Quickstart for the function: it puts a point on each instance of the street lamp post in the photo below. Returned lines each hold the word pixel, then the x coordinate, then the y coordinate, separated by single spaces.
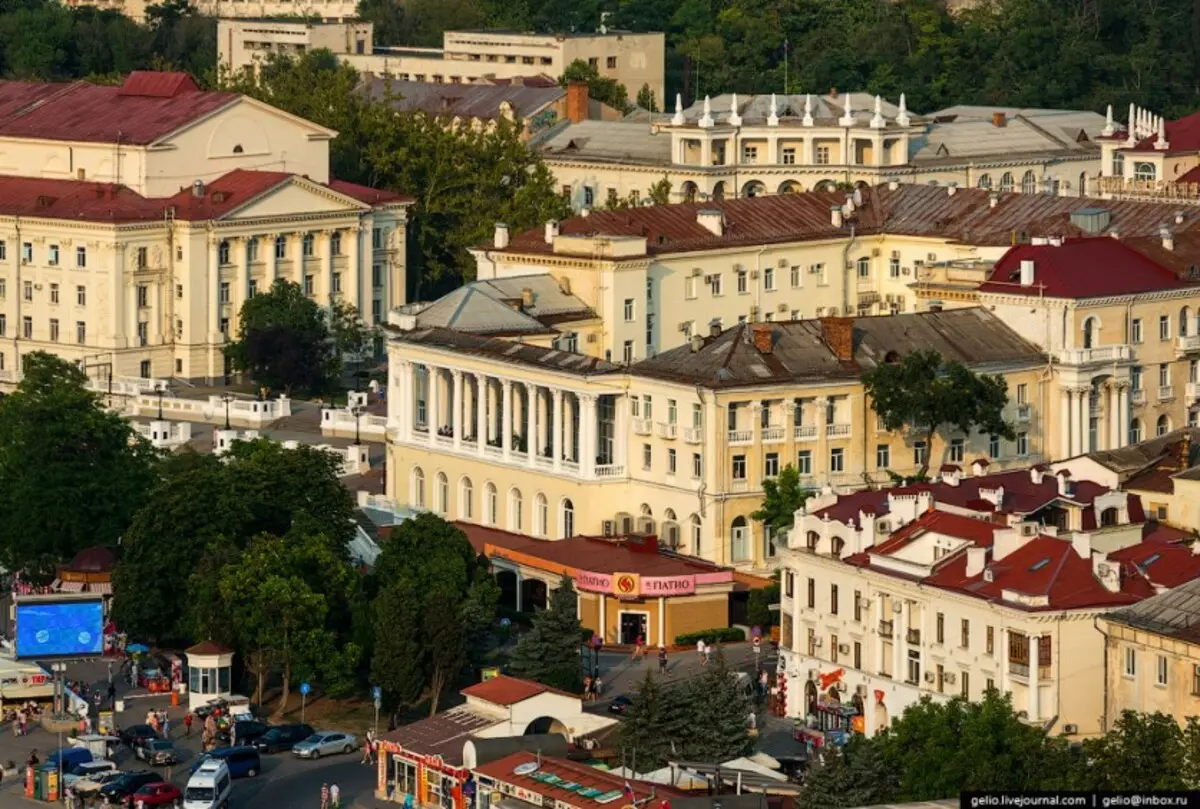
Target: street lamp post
pixel 227 398
pixel 357 411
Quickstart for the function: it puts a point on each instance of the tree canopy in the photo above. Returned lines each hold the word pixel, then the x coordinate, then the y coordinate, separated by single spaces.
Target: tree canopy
pixel 549 651
pixel 782 497
pixel 600 88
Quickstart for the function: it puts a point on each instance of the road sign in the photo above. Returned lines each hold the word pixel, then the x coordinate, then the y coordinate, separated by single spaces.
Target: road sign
pixel 378 704
pixel 756 632
pixel 505 623
pixel 376 693
pixel 757 649
pixel 757 641
pixel 305 689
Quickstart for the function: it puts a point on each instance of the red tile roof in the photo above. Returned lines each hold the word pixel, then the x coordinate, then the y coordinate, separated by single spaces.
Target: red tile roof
pixel 1080 268
pixel 1189 176
pixel 977 532
pixel 147 107
pixel 573 773
pixel 208 647
pixel 504 690
pixel 371 196
pixel 1183 135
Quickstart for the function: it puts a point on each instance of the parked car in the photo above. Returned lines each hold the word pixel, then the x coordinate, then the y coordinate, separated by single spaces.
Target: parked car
pixel 247 732
pixel 620 704
pixel 243 761
pixel 282 738
pixel 134 734
pixel 87 769
pixel 325 743
pixel 158 793
pixel 91 784
pixel 119 790
pixel 160 752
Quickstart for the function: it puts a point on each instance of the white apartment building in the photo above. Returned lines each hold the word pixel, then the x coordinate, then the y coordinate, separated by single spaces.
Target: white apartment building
pixel 961 586
pixel 330 10
pixel 243 43
pixel 135 221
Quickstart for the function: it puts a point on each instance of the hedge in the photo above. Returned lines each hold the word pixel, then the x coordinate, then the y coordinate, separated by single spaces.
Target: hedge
pixel 727 634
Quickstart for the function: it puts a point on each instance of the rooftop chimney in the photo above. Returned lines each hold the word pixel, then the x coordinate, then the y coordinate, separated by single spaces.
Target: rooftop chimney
pixel 526 298
pixel 1108 573
pixel 951 188
pixel 993 199
pixel 1027 270
pixel 839 336
pixel 697 342
pixel 577 101
pixel 198 189
pixel 1064 482
pixel 999 119
pixel 500 240
pixel 712 221
pixel 979 467
pixel 714 328
pixel 893 184
pixel 835 215
pixel 564 285
pixel 1168 238
pixel 951 475
pixel 764 339
pixel 1036 473
pixel 551 231
pixel 976 561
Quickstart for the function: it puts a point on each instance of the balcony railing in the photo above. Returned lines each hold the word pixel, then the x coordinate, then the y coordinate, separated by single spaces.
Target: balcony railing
pixel 610 471
pixel 741 436
pixel 693 435
pixel 836 430
pixel 885 629
pixel 1193 391
pixel 913 636
pixel 806 432
pixel 1139 396
pixel 1089 356
pixel 1024 412
pixel 1187 344
pixel 1165 393
pixel 642 426
pixel 666 430
pixel 1045 671
pixel 772 434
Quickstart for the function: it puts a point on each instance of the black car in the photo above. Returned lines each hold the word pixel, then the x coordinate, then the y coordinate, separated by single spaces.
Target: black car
pixel 620 704
pixel 281 738
pixel 248 732
pixel 118 791
pixel 160 752
pixel 137 734
pixel 202 711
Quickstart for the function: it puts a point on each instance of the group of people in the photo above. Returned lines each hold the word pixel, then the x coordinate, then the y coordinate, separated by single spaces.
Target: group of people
pixel 28 714
pixel 368 749
pixel 639 653
pixel 592 688
pixel 331 796
pixel 158 719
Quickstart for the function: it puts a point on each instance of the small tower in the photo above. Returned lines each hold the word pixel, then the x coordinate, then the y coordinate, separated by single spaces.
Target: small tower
pixel 877 121
pixel 773 117
pixel 808 117
pixel 706 120
pixel 1109 128
pixel 847 118
pixel 902 118
pixel 677 118
pixel 734 118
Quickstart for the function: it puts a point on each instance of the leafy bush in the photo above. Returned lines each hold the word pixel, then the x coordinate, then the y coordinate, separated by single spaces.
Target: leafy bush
pixel 726 634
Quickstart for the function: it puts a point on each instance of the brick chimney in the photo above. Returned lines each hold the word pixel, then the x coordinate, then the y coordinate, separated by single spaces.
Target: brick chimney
pixel 999 120
pixel 577 101
pixel 839 336
pixel 764 339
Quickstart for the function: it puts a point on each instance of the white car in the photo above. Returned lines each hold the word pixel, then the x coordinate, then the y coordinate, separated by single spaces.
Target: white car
pixel 92 783
pixel 88 770
pixel 325 743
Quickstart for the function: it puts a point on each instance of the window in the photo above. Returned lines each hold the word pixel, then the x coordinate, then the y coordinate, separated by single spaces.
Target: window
pixel 1006 182
pixel 671 461
pixel 743 282
pixel 3 250
pixel 771 465
pixel 80 332
pixel 1130 662
pixel 1164 327
pixel 516 509
pixel 989 640
pixel 837 460
pixel 1135 431
pixel 280 247
pixel 81 296
pixel 308 245
pixel 3 324
pixel 1160 673
pixel 1135 330
pixel 864 267
pixel 804 462
pixel 914 666
pixel 567 518
pixel 822 155
pixel 1023 393
pixel 883 456
pixel 812 594
pixel 749 154
pixel 833 599
pixel 647 457
pixel 940 627
pixel 894 267
pixel 27 327
pixel 27 252
pixel 443 494
pixel 769 279
pixel 1022 444
pixel 690 287
pixel 224 326
pixel 789 586
pixel 54 330
pixel 541 511
pixel 629 310
pixel 143 334
pixel 1145 171
pixel 251 249
pixel 52 260
pixel 179 291
pixel 3 288
pixel 1135 377
pixel 27 290
pixel 919 453
pixel 857 655
pixel 833 648
pixel 223 296
pixel 143 295
pixel 54 293
pixel 376 276
pixel 697 465
pixel 1028 183
pixel 739 467
pixel 252 287
pixel 714 284
pixel 994 447
pixel 957 450
pixel 965 678
pixel 309 285
pixel 491 505
pixel 797 276
pixel 223 253
pixel 1164 375
pixel 611 62
pixel 965 639
pixel 627 351
pixel 589 196
pixel 335 244
pixel 1163 425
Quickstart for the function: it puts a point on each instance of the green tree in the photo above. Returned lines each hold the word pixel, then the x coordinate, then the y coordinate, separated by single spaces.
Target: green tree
pixel 759 603
pixel 387 18
pixel 651 724
pixel 646 99
pixel 854 775
pixel 925 393
pixel 284 342
pixel 718 729
pixel 445 637
pixel 660 192
pixel 1141 752
pixel 782 498
pixel 72 474
pixel 398 658
pixel 549 651
pixel 605 90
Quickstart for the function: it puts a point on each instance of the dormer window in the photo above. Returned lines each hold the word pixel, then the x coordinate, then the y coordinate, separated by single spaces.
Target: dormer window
pixel 838 544
pixel 811 540
pixel 238 149
pixel 1108 517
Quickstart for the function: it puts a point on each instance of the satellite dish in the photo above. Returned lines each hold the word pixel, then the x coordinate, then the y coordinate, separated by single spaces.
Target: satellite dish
pixel 528 768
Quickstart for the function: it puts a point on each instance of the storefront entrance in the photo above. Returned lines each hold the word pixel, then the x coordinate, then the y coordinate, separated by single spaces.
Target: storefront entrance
pixel 633 626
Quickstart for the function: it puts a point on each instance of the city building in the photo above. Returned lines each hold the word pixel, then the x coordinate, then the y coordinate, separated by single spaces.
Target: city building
pixel 327 10
pixel 963 585
pixel 745 146
pixel 136 219
pixel 465 57
pixel 1152 655
pixel 1151 158
pixel 539 440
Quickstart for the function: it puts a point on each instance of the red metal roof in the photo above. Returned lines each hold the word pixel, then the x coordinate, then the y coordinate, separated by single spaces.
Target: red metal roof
pixel 148 106
pixel 1080 268
pixel 504 690
pixel 1189 176
pixel 977 532
pixel 1183 135
pixel 364 193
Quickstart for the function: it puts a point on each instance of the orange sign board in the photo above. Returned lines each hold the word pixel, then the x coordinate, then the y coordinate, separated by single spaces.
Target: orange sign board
pixel 832 677
pixel 627 585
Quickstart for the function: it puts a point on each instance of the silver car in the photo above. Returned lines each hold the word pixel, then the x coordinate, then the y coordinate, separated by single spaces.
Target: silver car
pixel 325 743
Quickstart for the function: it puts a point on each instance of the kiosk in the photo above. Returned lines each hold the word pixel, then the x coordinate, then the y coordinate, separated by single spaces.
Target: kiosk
pixel 209 667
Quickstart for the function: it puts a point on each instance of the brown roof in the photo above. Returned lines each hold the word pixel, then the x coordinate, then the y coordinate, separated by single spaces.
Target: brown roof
pixel 441 735
pixel 208 647
pixel 908 209
pixel 802 351
pixel 504 690
pixel 551 359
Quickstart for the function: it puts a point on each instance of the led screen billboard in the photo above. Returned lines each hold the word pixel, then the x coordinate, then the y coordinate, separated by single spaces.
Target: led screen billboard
pixel 60 628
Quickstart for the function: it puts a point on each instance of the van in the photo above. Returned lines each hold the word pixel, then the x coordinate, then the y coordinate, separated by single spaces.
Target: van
pixel 69 758
pixel 209 786
pixel 243 762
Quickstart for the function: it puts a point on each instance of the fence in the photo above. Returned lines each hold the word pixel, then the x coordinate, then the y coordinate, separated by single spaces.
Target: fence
pixel 341 422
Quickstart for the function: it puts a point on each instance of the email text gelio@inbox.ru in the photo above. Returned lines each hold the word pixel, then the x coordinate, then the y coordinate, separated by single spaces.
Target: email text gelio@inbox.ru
pixel 1078 800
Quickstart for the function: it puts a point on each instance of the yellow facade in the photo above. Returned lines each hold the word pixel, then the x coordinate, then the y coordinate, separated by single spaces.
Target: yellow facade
pixel 1148 672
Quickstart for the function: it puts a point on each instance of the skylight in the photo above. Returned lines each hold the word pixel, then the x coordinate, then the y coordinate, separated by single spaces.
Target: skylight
pixel 1151 560
pixel 1040 564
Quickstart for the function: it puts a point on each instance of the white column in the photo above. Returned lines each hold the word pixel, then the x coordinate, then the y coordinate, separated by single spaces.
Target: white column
pixel 213 285
pixel 1001 651
pixel 241 288
pixel 621 431
pixel 1122 415
pixel 295 251
pixel 531 437
pixel 271 261
pixel 434 417
pixel 1034 701
pixel 662 621
pixel 588 435
pixel 519 582
pixel 879 617
pixel 353 282
pixel 556 438
pixel 506 418
pixel 1114 417
pixel 160 316
pixel 1081 429
pixel 1064 423
pixel 456 418
pixel 899 628
pixel 407 401
pixel 481 413
pixel 119 335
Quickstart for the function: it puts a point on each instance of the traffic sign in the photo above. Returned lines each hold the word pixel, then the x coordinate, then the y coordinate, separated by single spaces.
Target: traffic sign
pixel 378 703
pixel 505 623
pixel 756 632
pixel 757 641
pixel 757 649
pixel 305 689
pixel 376 693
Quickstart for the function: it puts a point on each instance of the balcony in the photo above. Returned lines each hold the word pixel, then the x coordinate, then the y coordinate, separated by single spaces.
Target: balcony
pixel 1193 391
pixel 772 434
pixel 1187 345
pixel 642 426
pixel 693 435
pixel 806 432
pixel 1024 412
pixel 837 430
pixel 741 436
pixel 1139 396
pixel 913 636
pixel 611 470
pixel 885 629
pixel 667 430
pixel 1166 393
pixel 1093 356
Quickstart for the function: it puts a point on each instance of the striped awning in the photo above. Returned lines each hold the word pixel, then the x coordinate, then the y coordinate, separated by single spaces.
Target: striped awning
pixel 100 587
pixel 71 587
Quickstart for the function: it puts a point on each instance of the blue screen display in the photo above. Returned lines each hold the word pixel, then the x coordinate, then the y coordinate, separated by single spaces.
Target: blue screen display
pixel 58 629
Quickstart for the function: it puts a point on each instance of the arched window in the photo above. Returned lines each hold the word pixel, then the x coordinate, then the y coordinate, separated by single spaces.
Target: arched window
pixel 739 537
pixel 1108 517
pixel 516 505
pixel 1185 321
pixel 566 519
pixel 1163 426
pixel 646 511
pixel 838 544
pixel 811 539
pixel 1029 183
pixel 223 252
pixel 985 181
pixel 466 499
pixel 1135 431
pixel 541 510
pixel 443 494
pixel 416 494
pixel 696 534
pixel 864 267
pixel 1089 332
pixel 1006 182
pixel 1145 171
pixel 670 529
pixel 490 507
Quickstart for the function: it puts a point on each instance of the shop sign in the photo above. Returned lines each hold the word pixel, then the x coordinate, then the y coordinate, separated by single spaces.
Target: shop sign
pixel 669 585
pixel 521 794
pixel 593 582
pixel 626 585
pixel 564 805
pixel 832 677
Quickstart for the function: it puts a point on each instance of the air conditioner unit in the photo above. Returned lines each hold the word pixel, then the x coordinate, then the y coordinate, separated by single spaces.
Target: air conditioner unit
pixel 708 279
pixel 754 275
pixel 949 677
pixel 593 337
pixel 929 676
pixel 697 272
pixel 907 270
pixel 782 264
pixel 896 254
pixel 860 690
pixel 844 648
pixel 818 642
pixel 685 325
pixel 783 307
pixel 609 528
pixel 876 252
pixel 931 257
pixel 1070 730
pixel 814 675
pixel 988 575
pixel 918 263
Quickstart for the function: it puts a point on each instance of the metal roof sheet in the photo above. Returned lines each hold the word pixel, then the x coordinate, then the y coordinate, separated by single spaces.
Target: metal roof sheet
pixel 464 100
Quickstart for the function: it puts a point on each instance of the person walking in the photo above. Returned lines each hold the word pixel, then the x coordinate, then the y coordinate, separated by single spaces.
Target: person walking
pixel 707 653
pixel 335 797
pixel 187 724
pixel 662 660
pixel 366 750
pixel 700 650
pixel 166 725
pixel 324 796
pixel 639 648
pixel 112 694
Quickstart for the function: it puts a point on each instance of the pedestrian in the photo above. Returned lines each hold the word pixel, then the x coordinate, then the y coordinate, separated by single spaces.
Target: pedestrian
pixel 166 725
pixel 366 757
pixel 662 660
pixel 700 650
pixel 324 796
pixel 16 725
pixel 112 693
pixel 707 653
pixel 24 721
pixel 187 724
pixel 33 758
pixel 764 682
pixel 639 648
pixel 335 797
